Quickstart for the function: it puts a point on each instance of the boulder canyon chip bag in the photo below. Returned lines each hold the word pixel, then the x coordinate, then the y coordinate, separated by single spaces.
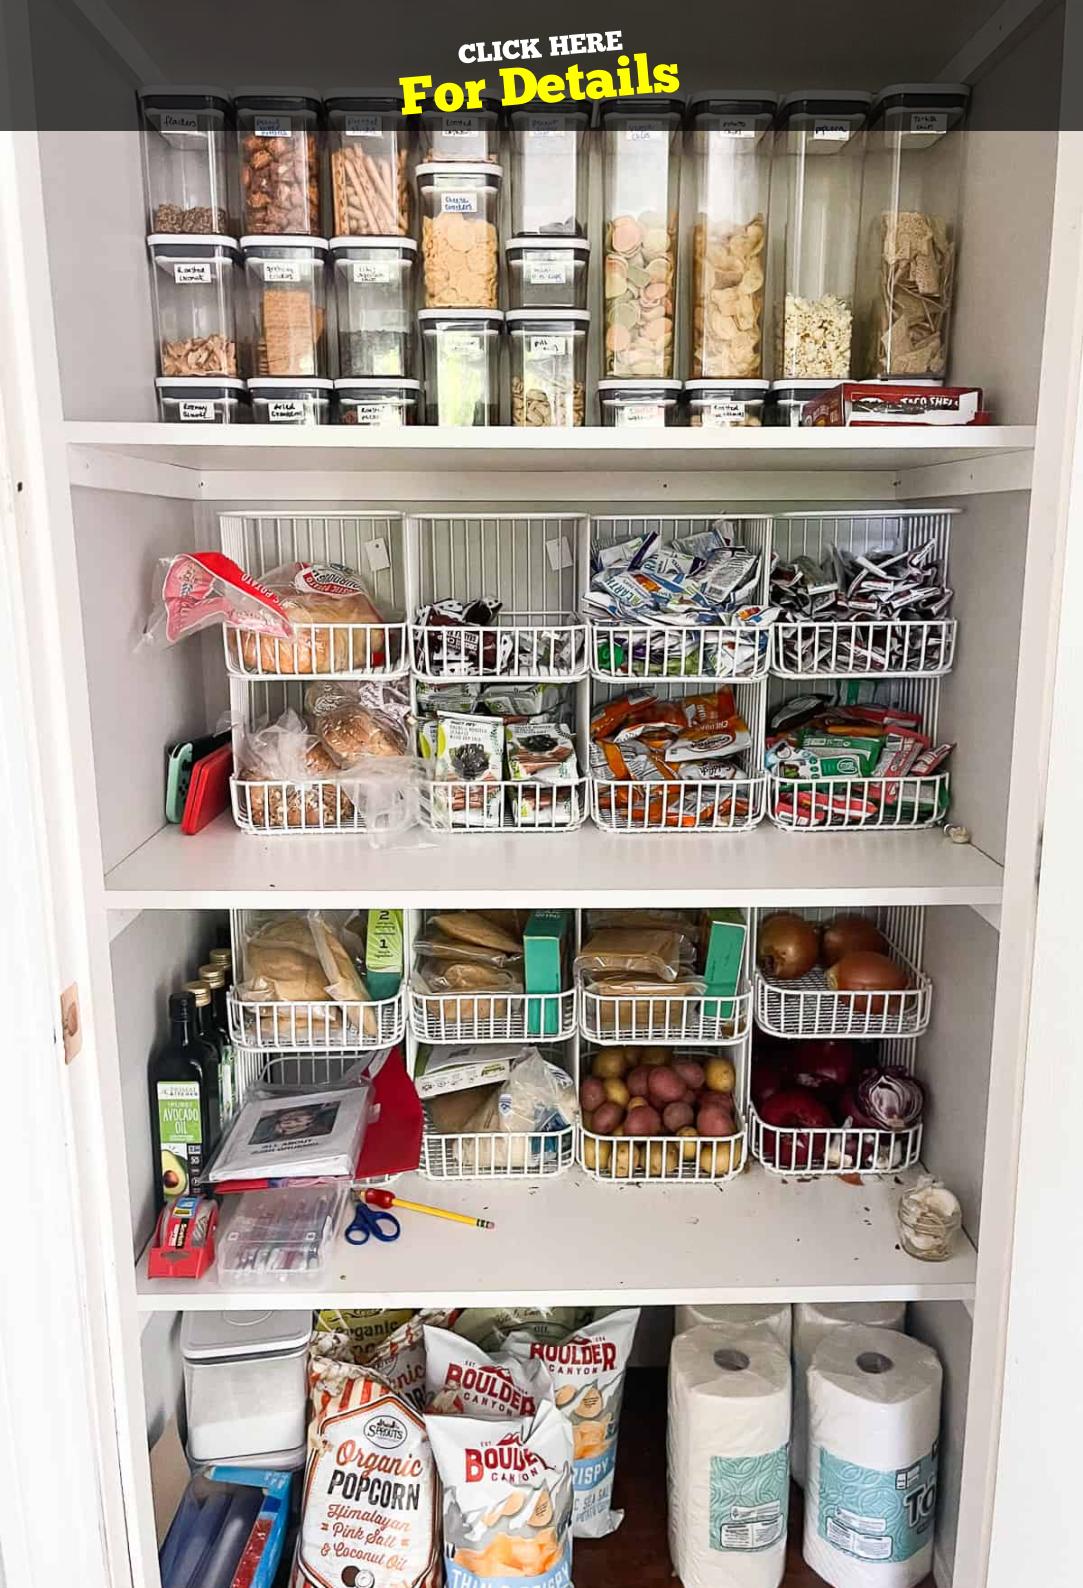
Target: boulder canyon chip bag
pixel 371 1506
pixel 507 1499
pixel 587 1372
pixel 461 1380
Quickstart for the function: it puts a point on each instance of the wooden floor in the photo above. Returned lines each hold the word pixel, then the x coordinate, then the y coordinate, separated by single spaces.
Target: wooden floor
pixel 637 1554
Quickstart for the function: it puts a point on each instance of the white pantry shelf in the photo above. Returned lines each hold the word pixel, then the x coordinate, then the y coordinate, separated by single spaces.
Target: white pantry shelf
pixel 757 1238
pixel 222 868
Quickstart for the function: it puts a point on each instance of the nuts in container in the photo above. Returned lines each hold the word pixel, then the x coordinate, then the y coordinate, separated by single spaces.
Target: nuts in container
pixel 369 159
pixel 185 133
pixel 548 366
pixel 458 235
pixel 642 179
pixel 286 279
pixel 193 282
pixel 280 163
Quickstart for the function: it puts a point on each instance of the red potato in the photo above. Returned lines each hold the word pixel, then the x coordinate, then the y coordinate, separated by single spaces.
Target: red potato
pixel 665 1086
pixel 643 1121
pixel 675 1116
pixel 591 1094
pixel 636 1081
pixel 607 1118
pixel 715 1119
pixel 691 1073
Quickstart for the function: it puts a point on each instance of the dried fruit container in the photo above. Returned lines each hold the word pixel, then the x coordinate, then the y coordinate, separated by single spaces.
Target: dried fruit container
pixel 462 365
pixel 374 299
pixel 549 194
pixel 815 203
pixel 730 139
pixel 206 402
pixel 283 400
pixel 652 404
pixel 641 152
pixel 278 149
pixel 377 400
pixel 786 399
pixel 547 272
pixel 369 157
pixel 473 135
pixel 725 404
pixel 908 235
pixel 186 133
pixel 286 280
pixel 548 366
pixel 459 235
pixel 194 283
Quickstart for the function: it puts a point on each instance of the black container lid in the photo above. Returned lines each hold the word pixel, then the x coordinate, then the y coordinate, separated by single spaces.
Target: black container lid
pixel 843 102
pixel 952 99
pixel 642 106
pixel 281 99
pixel 184 97
pixel 751 102
pixel 577 115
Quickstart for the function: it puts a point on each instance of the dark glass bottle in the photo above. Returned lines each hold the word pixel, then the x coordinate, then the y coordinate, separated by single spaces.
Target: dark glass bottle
pixel 180 1121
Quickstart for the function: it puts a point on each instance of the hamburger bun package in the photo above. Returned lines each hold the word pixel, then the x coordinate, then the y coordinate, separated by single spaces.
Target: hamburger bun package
pixel 462 1380
pixel 507 1499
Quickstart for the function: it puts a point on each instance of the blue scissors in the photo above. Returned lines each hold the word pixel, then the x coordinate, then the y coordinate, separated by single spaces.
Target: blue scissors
pixel 369 1222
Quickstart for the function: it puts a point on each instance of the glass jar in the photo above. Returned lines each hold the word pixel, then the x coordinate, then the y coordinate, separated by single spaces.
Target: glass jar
pixel 194 281
pixel 369 151
pixel 185 164
pixel 287 303
pixel 815 202
pixel 278 144
pixel 470 135
pixel 462 365
pixel 377 402
pixel 730 138
pixel 458 235
pixel 547 272
pixel 283 401
pixel 548 366
pixel 786 399
pixel 549 170
pixel 641 153
pixel 374 300
pixel 203 402
pixel 930 1217
pixel 909 213
pixel 725 404
pixel 650 404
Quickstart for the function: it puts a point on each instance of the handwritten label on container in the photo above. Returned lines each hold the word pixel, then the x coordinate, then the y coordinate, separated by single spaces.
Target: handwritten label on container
pixel 459 203
pixel 272 127
pixel 198 411
pixel 281 270
pixel 549 272
pixel 285 410
pixel 362 126
pixel 368 272
pixel 192 272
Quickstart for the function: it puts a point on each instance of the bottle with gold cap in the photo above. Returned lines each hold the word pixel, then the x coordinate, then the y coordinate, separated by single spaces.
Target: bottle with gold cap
pixel 199 990
pixel 217 979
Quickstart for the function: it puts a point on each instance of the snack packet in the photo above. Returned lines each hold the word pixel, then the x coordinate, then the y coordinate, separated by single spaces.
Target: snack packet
pixel 396 1357
pixel 203 587
pixel 489 1327
pixel 462 1380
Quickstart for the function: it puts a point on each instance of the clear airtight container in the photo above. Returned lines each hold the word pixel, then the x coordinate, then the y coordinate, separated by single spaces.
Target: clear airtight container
pixel 374 299
pixel 725 404
pixel 730 139
pixel 641 153
pixel 203 402
pixel 470 135
pixel 286 279
pixel 547 272
pixel 194 282
pixel 786 399
pixel 458 235
pixel 369 156
pixel 549 170
pixel 815 203
pixel 282 400
pixel 548 351
pixel 909 213
pixel 378 402
pixel 642 404
pixel 186 133
pixel 278 147
pixel 462 365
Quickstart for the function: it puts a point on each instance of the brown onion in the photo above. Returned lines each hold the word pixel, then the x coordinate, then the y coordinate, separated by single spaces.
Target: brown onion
pixel 849 934
pixel 866 973
pixel 787 946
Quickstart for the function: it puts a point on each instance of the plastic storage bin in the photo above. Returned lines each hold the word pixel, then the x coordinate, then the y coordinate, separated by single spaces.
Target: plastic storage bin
pixel 815 206
pixel 194 283
pixel 547 272
pixel 369 151
pixel 549 193
pixel 473 135
pixel 462 365
pixel 548 366
pixel 374 280
pixel 459 235
pixel 244 1380
pixel 278 147
pixel 725 404
pixel 731 154
pixel 649 403
pixel 377 400
pixel 185 165
pixel 282 400
pixel 286 280
pixel 641 150
pixel 907 251
pixel 786 398
pixel 205 402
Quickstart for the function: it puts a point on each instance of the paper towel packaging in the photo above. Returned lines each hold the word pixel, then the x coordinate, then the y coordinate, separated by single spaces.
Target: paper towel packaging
pixel 870 1491
pixel 774 1317
pixel 728 1458
pixel 811 1321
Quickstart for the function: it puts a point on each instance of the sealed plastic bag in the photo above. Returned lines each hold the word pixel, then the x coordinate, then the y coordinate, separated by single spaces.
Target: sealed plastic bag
pixel 199 588
pixel 537 1096
pixel 354 722
pixel 645 951
pixel 462 1380
pixel 397 1357
pixel 335 626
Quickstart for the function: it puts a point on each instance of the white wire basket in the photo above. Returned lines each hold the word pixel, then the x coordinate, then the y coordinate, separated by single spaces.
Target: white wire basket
pixel 497 1155
pixel 806 1007
pixel 521 806
pixel 664 1018
pixel 292 1027
pixel 370 544
pixel 873 648
pixel 343 805
pixel 519 647
pixel 492 1016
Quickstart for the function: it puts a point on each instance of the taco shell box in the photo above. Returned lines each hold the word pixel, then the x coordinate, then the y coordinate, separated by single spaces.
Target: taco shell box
pixel 890 403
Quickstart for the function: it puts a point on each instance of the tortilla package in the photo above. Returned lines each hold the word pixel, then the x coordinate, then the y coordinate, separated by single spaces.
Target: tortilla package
pixel 462 1380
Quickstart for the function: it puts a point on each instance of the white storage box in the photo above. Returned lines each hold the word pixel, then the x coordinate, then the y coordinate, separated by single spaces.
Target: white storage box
pixel 244 1382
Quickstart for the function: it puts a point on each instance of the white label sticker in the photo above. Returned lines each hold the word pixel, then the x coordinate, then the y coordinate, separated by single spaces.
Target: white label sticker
pixel 201 411
pixel 459 127
pixel 177 122
pixel 538 127
pixel 548 346
pixel 192 272
pixel 640 414
pixel 725 411
pixel 368 271
pixel 645 134
pixel 466 342
pixel 549 272
pixel 559 553
pixel 459 203
pixel 934 121
pixel 272 127
pixel 735 127
pixel 362 126
pixel 830 132
pixel 285 410
pixel 281 270
pixel 376 550
pixel 374 414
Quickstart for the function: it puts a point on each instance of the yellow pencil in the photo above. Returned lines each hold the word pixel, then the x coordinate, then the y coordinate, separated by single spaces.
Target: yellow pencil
pixel 378 1198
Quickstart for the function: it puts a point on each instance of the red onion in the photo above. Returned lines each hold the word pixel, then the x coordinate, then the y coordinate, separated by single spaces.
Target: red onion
pixel 889 1098
pixel 824 1064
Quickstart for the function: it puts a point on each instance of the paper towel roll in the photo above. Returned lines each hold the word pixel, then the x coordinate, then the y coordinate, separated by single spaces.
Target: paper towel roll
pixel 811 1322
pixel 870 1494
pixel 775 1317
pixel 728 1447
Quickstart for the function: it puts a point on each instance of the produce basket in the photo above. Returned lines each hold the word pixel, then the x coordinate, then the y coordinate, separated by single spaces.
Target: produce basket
pixel 806 1006
pixel 504 1155
pixel 319 650
pixel 492 1016
pixel 292 1027
pixel 663 1019
pixel 345 805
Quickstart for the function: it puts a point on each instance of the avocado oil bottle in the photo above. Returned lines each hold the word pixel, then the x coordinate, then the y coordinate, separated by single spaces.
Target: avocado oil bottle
pixel 181 1072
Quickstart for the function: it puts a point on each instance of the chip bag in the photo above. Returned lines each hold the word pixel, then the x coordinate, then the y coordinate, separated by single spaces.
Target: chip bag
pixel 462 1380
